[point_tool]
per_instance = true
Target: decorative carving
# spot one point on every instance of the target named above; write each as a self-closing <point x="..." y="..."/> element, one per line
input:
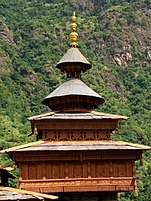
<point x="76" y="135"/>
<point x="83" y="182"/>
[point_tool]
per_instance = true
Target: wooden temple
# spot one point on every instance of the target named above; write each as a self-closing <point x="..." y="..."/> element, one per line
<point x="74" y="154"/>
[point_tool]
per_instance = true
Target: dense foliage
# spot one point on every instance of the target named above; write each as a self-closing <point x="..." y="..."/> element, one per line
<point x="115" y="37"/>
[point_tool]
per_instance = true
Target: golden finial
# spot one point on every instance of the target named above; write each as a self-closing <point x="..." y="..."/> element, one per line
<point x="73" y="35"/>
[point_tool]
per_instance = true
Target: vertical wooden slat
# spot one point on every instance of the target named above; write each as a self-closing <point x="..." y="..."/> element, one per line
<point x="66" y="170"/>
<point x="77" y="169"/>
<point x="44" y="170"/>
<point x="129" y="169"/>
<point x="106" y="169"/>
<point x="93" y="169"/>
<point x="115" y="169"/>
<point x="32" y="170"/>
<point x="111" y="168"/>
<point x="47" y="173"/>
<point x="62" y="170"/>
<point x="24" y="170"/>
<point x="85" y="169"/>
<point x="122" y="169"/>
<point x="70" y="170"/>
<point x="56" y="170"/>
<point x="39" y="170"/>
<point x="134" y="170"/>
<point x="89" y="170"/>
<point x="53" y="170"/>
<point x="99" y="169"/>
<point x="103" y="166"/>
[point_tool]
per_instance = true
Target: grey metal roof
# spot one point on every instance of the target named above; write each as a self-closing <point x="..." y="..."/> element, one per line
<point x="71" y="116"/>
<point x="73" y="87"/>
<point x="74" y="55"/>
<point x="83" y="145"/>
<point x="76" y="145"/>
<point x="84" y="116"/>
<point x="6" y="195"/>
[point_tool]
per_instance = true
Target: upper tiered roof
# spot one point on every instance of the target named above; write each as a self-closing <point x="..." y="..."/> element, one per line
<point x="73" y="63"/>
<point x="73" y="95"/>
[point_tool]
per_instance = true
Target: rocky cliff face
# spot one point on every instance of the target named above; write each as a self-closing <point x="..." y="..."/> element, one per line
<point x="121" y="30"/>
<point x="5" y="33"/>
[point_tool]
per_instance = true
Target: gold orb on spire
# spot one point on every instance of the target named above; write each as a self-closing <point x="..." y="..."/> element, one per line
<point x="73" y="34"/>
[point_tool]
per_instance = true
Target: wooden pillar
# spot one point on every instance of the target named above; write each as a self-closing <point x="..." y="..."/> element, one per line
<point x="89" y="196"/>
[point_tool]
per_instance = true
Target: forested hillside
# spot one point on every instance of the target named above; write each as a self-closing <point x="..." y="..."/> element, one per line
<point x="114" y="35"/>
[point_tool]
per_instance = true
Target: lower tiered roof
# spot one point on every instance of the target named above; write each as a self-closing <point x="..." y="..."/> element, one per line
<point x="76" y="146"/>
<point x="73" y="95"/>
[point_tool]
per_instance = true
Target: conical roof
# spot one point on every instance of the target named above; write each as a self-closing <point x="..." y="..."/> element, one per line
<point x="74" y="56"/>
<point x="73" y="95"/>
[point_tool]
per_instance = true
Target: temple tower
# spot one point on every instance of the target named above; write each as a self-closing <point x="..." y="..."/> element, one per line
<point x="74" y="156"/>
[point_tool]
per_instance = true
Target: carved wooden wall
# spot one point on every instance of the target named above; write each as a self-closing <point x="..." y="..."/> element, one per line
<point x="77" y="134"/>
<point x="76" y="169"/>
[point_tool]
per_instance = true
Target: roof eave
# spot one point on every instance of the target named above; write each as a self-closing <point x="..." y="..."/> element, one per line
<point x="111" y="115"/>
<point x="13" y="149"/>
<point x="35" y="194"/>
<point x="35" y="117"/>
<point x="120" y="117"/>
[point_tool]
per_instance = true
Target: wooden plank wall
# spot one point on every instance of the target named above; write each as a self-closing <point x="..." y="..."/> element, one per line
<point x="76" y="169"/>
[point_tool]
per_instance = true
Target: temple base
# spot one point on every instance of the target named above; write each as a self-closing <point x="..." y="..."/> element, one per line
<point x="97" y="196"/>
